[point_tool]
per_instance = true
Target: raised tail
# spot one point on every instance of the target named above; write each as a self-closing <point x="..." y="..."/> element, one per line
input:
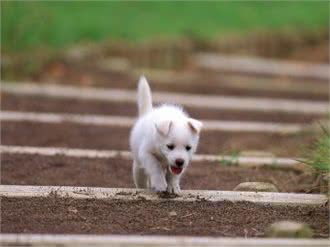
<point x="144" y="96"/>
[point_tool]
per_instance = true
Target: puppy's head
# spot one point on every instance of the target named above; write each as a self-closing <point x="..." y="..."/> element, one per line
<point x="177" y="142"/>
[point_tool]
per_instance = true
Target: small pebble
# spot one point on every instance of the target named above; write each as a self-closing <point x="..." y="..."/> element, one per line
<point x="73" y="210"/>
<point x="173" y="213"/>
<point x="289" y="229"/>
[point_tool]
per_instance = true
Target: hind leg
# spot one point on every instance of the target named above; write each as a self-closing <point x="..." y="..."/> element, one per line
<point x="139" y="176"/>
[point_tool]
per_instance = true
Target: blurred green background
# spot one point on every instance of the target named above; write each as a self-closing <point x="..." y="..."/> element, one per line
<point x="35" y="24"/>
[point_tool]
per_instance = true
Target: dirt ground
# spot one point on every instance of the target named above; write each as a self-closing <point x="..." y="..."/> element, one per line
<point x="22" y="169"/>
<point x="108" y="137"/>
<point x="44" y="104"/>
<point x="166" y="217"/>
<point x="201" y="218"/>
<point x="201" y="83"/>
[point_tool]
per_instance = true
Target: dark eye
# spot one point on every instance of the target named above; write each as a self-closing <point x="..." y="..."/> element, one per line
<point x="170" y="146"/>
<point x="188" y="147"/>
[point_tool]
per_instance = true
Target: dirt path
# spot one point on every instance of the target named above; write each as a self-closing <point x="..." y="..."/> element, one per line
<point x="100" y="137"/>
<point x="201" y="218"/>
<point x="44" y="104"/>
<point x="116" y="173"/>
<point x="201" y="83"/>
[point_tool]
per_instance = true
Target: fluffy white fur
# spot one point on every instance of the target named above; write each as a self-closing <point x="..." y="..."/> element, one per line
<point x="162" y="142"/>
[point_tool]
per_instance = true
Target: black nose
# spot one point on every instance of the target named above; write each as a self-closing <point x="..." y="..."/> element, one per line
<point x="179" y="162"/>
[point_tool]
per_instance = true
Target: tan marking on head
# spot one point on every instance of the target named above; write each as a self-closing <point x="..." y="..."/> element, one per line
<point x="195" y="125"/>
<point x="164" y="127"/>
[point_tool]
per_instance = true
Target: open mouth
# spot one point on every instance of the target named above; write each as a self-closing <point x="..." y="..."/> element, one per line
<point x="176" y="170"/>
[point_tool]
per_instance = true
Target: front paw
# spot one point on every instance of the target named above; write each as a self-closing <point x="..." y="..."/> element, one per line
<point x="174" y="189"/>
<point x="167" y="195"/>
<point x="159" y="187"/>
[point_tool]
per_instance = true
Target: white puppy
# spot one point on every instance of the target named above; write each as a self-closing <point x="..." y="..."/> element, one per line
<point x="162" y="141"/>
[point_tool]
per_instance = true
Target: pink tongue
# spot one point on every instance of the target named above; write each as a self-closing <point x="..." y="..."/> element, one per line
<point x="176" y="170"/>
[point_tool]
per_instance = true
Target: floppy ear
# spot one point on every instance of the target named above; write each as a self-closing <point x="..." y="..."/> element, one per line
<point x="195" y="125"/>
<point x="164" y="127"/>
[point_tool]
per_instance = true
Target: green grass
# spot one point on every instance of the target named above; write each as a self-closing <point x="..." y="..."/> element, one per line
<point x="31" y="25"/>
<point x="319" y="155"/>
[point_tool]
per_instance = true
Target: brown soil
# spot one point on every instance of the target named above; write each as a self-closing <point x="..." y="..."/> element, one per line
<point x="318" y="53"/>
<point x="283" y="44"/>
<point x="91" y="75"/>
<point x="44" y="104"/>
<point x="201" y="218"/>
<point x="21" y="169"/>
<point x="100" y="137"/>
